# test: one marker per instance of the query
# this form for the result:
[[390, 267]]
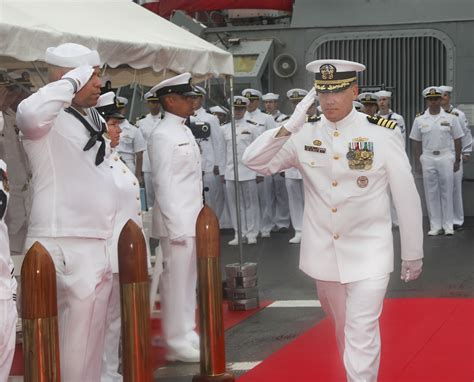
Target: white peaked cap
[[357, 104], [239, 101], [252, 93], [383, 93], [180, 84], [270, 97], [122, 100], [218, 109], [296, 93], [340, 65], [106, 99], [446, 89], [432, 91], [71, 55]]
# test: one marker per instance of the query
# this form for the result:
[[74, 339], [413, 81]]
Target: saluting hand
[[298, 118]]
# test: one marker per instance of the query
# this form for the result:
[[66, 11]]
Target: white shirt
[[71, 196], [146, 126], [264, 121], [245, 133], [177, 178], [466, 140], [129, 205], [131, 141], [436, 132], [347, 228]]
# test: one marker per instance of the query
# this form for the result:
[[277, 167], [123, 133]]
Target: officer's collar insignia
[[360, 155], [327, 71]]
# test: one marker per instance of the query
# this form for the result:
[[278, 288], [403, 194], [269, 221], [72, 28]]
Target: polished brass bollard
[[39, 308], [135, 304], [210, 300]]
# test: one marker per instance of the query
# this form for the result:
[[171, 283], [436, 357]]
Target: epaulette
[[454, 113], [419, 114], [382, 122], [312, 118], [251, 122]]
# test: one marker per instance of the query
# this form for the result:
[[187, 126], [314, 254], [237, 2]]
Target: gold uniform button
[[116, 159], [334, 209], [336, 236], [139, 214], [336, 157], [336, 133], [138, 198], [334, 184]]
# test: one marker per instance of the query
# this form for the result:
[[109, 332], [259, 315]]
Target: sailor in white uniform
[[74, 201], [129, 207], [436, 136], [147, 125], [384, 103], [8, 313], [347, 161], [369, 102], [466, 150], [177, 179]]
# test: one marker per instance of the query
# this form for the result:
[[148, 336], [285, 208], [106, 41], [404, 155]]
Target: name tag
[[313, 149]]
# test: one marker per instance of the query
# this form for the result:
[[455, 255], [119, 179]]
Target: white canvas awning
[[138, 45]]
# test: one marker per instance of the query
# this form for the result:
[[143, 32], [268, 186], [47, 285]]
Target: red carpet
[[157, 353], [423, 340]]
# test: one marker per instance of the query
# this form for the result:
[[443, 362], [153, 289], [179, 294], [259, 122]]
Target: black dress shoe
[[458, 227]]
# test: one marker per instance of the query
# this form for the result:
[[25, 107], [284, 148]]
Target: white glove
[[411, 269], [298, 118], [180, 240], [79, 76]]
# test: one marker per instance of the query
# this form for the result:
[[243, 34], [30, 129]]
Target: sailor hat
[[151, 97], [218, 109], [383, 93], [357, 105], [334, 75], [252, 94], [270, 97], [432, 92], [240, 101], [368, 98], [121, 102], [71, 55], [107, 106], [296, 94], [180, 84], [446, 89]]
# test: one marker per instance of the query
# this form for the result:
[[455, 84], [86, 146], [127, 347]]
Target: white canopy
[[142, 46]]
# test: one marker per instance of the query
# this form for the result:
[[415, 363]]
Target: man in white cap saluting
[[436, 137], [74, 200], [177, 179], [347, 160], [384, 103], [466, 150]]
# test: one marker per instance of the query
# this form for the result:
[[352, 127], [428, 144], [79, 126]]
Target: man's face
[[180, 105], [270, 106], [384, 103], [336, 106], [253, 105], [369, 109], [295, 102], [154, 107], [90, 93], [445, 100], [197, 102], [114, 130], [221, 117], [311, 110], [434, 104], [239, 113]]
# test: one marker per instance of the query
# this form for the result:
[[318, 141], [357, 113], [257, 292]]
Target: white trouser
[[296, 202], [110, 358], [84, 282], [224, 217], [249, 211], [150, 192], [130, 163], [280, 209], [355, 309], [265, 195], [220, 197], [178, 292], [458, 210], [438, 184], [8, 317], [209, 182]]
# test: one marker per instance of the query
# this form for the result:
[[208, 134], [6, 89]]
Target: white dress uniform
[[72, 214], [437, 134], [212, 154], [129, 207], [131, 143], [176, 169], [8, 313], [347, 239], [392, 116], [147, 126], [20, 175], [466, 142]]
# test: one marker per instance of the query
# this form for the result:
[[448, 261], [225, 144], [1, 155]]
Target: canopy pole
[[236, 170]]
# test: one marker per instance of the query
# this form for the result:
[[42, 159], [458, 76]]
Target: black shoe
[[458, 227]]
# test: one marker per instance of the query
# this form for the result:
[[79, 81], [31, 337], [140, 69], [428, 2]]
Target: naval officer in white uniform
[[74, 201], [348, 160], [8, 314], [176, 170]]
